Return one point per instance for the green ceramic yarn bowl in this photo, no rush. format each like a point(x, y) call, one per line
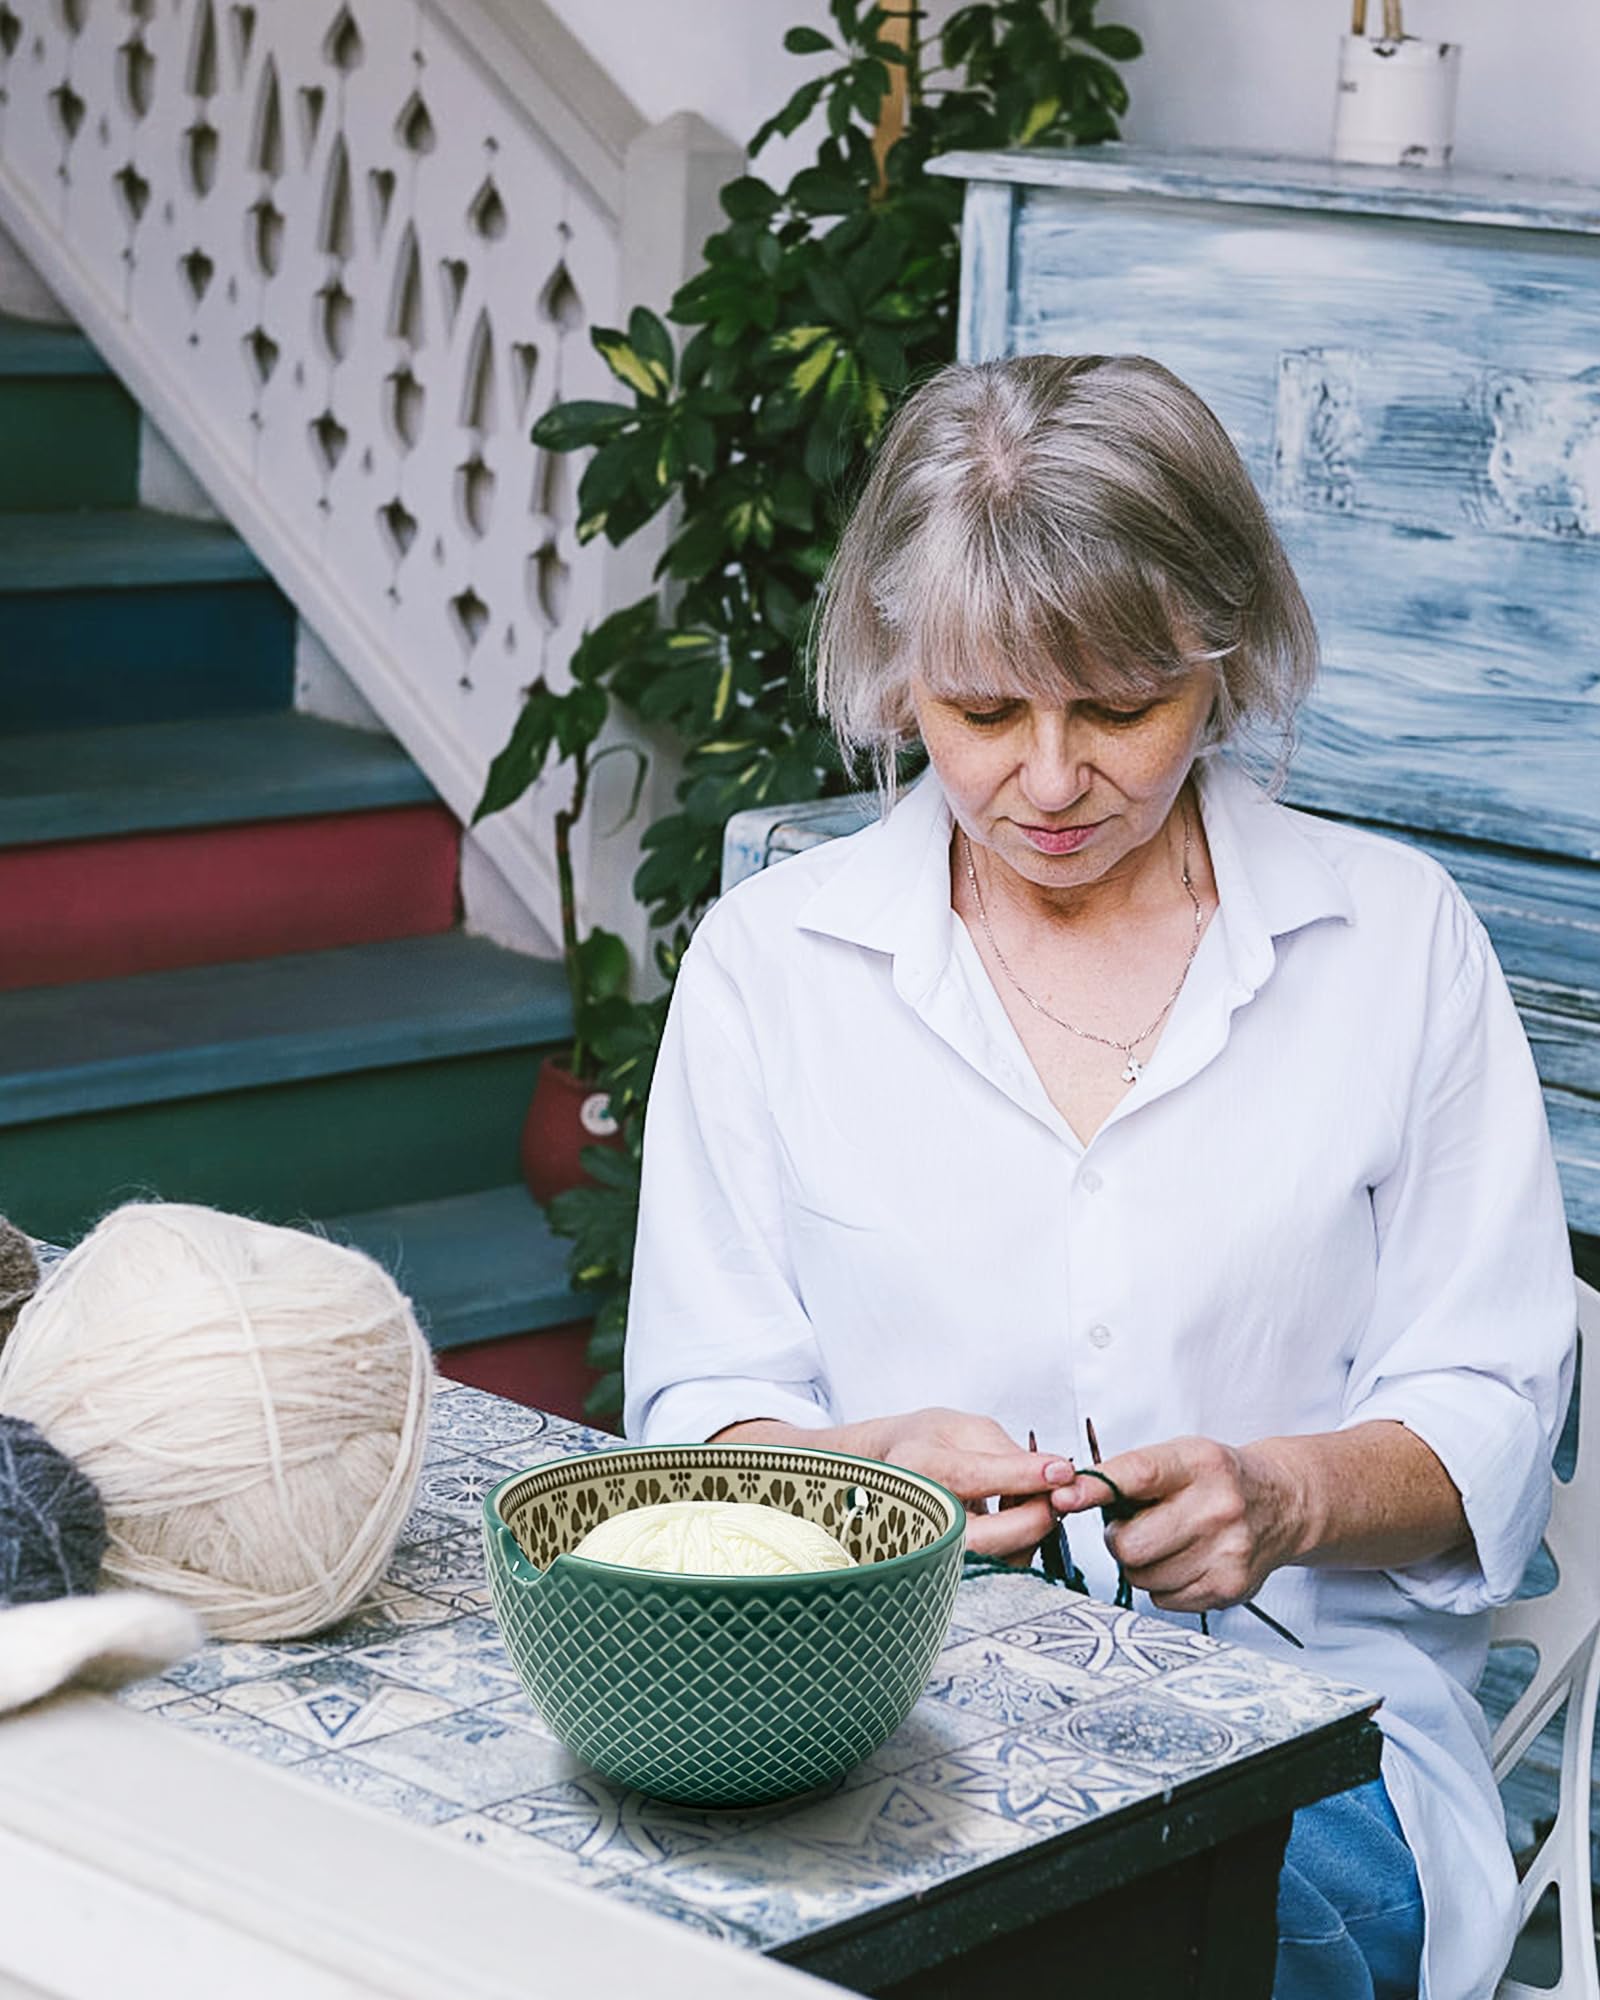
point(723, 1690)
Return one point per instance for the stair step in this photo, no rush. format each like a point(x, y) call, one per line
point(368, 1139)
point(547, 1370)
point(279, 833)
point(329, 1083)
point(478, 1266)
point(33, 347)
point(154, 902)
point(124, 548)
point(71, 430)
point(123, 617)
point(84, 784)
point(164, 1036)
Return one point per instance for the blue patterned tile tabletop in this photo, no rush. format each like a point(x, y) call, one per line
point(1044, 1711)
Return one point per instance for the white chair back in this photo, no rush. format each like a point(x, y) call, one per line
point(1563, 1630)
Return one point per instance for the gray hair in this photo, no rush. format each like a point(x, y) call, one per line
point(1050, 524)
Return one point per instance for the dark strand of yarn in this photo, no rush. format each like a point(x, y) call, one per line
point(19, 1274)
point(52, 1522)
point(972, 1566)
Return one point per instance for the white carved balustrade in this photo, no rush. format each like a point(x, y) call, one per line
point(344, 269)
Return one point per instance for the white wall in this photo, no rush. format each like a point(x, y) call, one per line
point(1241, 73)
point(1259, 74)
point(722, 58)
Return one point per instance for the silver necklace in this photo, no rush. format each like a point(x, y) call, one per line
point(1134, 1069)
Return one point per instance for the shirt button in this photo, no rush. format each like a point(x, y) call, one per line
point(1090, 1181)
point(1099, 1336)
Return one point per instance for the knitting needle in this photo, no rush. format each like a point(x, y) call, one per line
point(1121, 1509)
point(1049, 1550)
point(1055, 1566)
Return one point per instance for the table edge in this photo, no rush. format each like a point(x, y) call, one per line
point(1020, 1888)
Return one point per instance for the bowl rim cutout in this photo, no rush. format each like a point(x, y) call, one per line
point(496, 1524)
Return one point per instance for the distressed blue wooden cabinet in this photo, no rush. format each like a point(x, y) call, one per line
point(1410, 366)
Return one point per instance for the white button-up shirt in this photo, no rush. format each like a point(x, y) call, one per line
point(1330, 1198)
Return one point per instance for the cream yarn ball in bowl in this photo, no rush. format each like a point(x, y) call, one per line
point(714, 1538)
point(251, 1402)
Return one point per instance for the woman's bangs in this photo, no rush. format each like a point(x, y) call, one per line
point(978, 639)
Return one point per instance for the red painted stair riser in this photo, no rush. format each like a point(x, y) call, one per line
point(150, 902)
point(546, 1370)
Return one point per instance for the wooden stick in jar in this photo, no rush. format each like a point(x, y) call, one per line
point(1358, 17)
point(1393, 26)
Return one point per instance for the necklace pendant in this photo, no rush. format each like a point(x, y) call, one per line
point(1134, 1070)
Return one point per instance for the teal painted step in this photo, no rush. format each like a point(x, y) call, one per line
point(124, 616)
point(85, 784)
point(126, 548)
point(371, 1139)
point(165, 1036)
point(324, 1083)
point(477, 1266)
point(69, 432)
point(31, 347)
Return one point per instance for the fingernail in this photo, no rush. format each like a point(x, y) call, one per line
point(1059, 1471)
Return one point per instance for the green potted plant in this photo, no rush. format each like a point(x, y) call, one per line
point(568, 1112)
point(816, 304)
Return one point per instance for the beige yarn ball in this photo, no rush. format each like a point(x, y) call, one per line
point(251, 1401)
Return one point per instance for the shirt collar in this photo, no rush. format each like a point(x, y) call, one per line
point(893, 892)
point(1272, 876)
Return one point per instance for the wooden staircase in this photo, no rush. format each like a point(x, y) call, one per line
point(231, 965)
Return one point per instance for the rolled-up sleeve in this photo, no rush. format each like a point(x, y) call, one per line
point(716, 1333)
point(1471, 1341)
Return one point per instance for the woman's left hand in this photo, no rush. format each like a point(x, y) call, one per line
point(1211, 1521)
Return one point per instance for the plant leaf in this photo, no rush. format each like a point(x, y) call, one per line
point(650, 340)
point(630, 630)
point(1039, 119)
point(827, 193)
point(521, 763)
point(603, 966)
point(749, 199)
point(793, 115)
point(645, 378)
point(570, 426)
point(1121, 44)
point(580, 717)
point(641, 772)
point(604, 1350)
point(605, 1398)
point(808, 372)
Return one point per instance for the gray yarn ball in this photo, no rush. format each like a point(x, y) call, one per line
point(52, 1523)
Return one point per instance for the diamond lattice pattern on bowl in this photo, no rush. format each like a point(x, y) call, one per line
point(724, 1690)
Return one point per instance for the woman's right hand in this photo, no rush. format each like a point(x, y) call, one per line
point(973, 1456)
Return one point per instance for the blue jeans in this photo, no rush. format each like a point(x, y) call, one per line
point(1349, 1907)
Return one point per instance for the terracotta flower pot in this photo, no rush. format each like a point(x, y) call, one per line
point(566, 1115)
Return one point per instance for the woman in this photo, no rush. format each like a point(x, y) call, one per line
point(1090, 1085)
